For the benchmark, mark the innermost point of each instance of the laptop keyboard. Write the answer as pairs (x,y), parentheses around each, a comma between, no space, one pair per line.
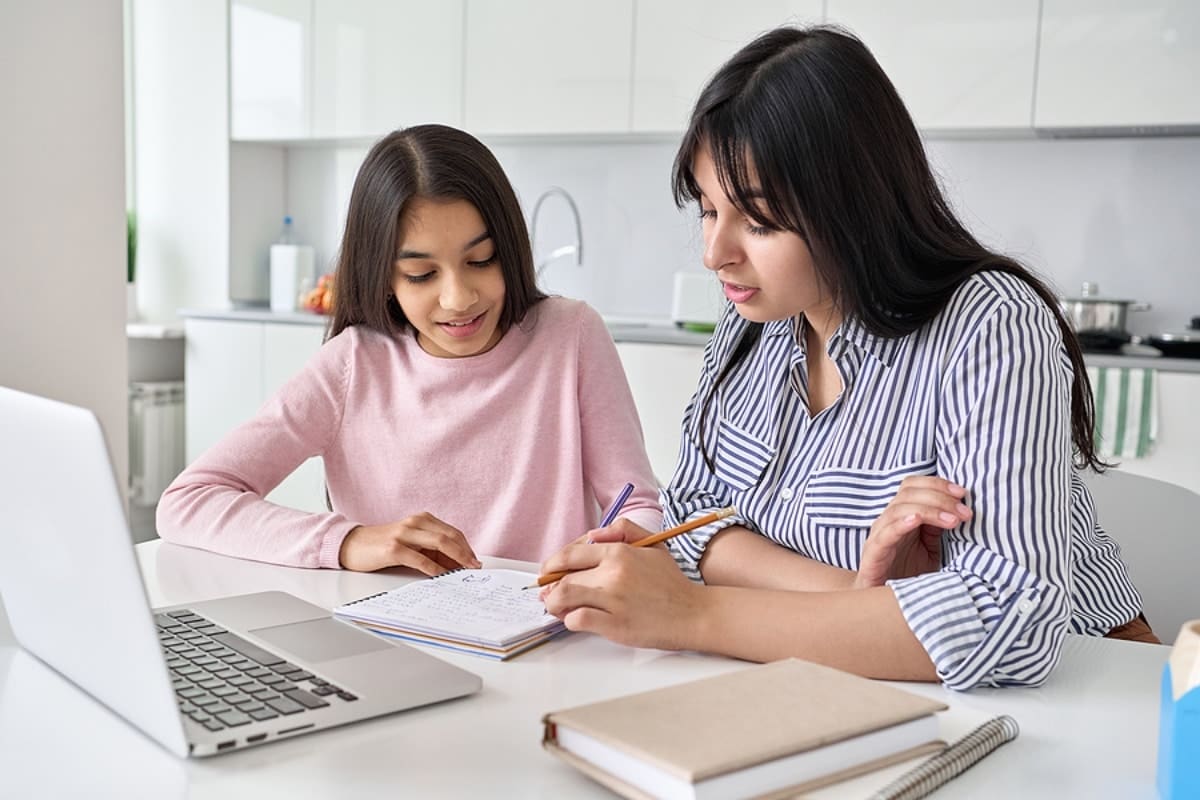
(223,681)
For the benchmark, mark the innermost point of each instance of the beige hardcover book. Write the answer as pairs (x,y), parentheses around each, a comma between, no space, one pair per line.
(768,730)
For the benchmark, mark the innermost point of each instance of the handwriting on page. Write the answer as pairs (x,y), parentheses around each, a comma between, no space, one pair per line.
(467,599)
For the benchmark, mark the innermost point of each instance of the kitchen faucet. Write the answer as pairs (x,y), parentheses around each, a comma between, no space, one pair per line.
(566,249)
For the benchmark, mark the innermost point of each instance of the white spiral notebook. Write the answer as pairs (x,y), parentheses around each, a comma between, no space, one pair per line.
(485,612)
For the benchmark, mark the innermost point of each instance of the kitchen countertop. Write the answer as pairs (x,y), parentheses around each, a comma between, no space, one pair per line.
(663,331)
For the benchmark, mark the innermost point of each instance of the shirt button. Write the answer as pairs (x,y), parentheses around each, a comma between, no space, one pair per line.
(1025,606)
(786,493)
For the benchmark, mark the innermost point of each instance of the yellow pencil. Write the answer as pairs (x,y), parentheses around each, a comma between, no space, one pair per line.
(653,539)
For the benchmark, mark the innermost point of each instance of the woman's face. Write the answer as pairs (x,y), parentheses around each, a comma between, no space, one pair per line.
(447,278)
(767,274)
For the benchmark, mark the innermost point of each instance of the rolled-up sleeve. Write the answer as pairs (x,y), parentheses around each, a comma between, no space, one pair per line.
(997,611)
(694,490)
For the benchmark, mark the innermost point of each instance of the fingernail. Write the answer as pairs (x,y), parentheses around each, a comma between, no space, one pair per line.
(911,518)
(962,510)
(946,516)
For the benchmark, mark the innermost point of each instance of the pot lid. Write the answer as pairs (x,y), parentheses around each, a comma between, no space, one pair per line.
(1090,293)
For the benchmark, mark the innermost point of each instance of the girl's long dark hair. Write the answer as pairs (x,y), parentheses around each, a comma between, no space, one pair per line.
(808,121)
(435,162)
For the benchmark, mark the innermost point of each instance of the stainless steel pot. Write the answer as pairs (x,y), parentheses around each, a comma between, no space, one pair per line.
(1093,314)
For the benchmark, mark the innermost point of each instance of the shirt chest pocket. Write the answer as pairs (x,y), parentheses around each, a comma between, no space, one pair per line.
(741,456)
(845,497)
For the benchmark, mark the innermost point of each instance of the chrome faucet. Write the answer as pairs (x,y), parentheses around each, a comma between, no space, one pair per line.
(566,249)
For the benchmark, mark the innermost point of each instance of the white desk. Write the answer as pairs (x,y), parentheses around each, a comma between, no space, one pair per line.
(1090,732)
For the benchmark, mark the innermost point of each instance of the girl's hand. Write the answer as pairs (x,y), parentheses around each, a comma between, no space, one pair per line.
(620,531)
(632,595)
(422,542)
(906,540)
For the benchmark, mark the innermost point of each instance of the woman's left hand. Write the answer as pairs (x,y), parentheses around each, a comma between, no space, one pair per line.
(632,595)
(906,540)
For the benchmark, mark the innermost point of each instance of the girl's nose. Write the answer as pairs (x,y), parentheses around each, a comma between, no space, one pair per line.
(457,294)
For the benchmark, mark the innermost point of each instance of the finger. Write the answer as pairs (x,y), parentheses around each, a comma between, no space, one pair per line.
(937,484)
(441,538)
(609,534)
(414,559)
(578,556)
(630,531)
(571,594)
(946,515)
(589,620)
(933,497)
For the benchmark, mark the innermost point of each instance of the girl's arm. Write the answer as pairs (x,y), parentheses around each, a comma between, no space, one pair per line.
(217,502)
(614,452)
(740,557)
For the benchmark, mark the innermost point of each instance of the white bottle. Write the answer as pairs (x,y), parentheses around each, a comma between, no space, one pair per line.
(291,269)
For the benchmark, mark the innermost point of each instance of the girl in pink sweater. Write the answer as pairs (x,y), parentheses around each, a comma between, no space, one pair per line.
(458,410)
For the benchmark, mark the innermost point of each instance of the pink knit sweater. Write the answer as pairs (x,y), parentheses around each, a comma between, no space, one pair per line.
(518,447)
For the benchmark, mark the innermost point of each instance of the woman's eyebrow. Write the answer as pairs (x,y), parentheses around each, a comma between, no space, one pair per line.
(417,254)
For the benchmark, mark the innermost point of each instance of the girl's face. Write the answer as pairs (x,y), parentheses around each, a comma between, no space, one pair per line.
(447,278)
(767,274)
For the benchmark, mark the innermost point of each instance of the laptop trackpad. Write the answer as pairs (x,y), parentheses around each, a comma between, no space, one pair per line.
(320,640)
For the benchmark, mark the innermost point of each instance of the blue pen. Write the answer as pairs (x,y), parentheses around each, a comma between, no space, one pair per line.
(615,508)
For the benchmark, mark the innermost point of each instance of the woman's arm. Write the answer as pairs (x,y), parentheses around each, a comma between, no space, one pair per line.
(740,557)
(636,596)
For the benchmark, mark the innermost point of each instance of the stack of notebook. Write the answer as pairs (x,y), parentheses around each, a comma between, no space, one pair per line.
(484,612)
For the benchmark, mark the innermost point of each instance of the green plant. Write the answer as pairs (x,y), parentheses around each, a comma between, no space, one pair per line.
(130,245)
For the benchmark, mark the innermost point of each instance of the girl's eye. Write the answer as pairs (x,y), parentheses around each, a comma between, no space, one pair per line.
(708,213)
(487,262)
(759,230)
(418,278)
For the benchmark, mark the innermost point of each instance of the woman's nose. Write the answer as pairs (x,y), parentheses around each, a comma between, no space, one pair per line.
(720,248)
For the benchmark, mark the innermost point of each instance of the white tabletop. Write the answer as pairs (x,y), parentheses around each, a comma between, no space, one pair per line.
(1091,731)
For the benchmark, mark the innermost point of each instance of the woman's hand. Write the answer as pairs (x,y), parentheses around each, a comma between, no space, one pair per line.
(906,540)
(422,542)
(632,595)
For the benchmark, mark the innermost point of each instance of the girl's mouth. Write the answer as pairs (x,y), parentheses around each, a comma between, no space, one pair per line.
(464,328)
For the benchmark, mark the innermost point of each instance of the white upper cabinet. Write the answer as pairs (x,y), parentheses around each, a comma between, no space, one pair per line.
(1119,63)
(270,75)
(548,66)
(958,64)
(381,65)
(679,44)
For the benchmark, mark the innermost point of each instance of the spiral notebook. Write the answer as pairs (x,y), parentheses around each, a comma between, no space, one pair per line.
(484,612)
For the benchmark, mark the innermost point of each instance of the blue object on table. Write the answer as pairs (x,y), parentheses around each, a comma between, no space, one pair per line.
(1178,742)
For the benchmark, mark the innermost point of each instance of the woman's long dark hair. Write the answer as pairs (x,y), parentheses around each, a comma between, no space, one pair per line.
(808,121)
(434,162)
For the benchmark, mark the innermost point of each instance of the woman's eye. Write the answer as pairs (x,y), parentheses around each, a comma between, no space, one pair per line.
(758,230)
(487,262)
(418,278)
(708,213)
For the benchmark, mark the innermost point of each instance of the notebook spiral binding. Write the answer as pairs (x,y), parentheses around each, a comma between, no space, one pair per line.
(364,599)
(379,594)
(951,762)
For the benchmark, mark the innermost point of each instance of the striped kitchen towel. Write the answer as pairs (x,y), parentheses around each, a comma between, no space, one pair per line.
(1126,410)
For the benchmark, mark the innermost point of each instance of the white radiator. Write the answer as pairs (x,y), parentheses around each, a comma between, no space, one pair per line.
(156,453)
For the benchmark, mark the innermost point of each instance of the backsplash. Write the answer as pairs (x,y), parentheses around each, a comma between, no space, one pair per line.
(1124,213)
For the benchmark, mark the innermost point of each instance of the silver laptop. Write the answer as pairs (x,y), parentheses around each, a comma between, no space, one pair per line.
(215,676)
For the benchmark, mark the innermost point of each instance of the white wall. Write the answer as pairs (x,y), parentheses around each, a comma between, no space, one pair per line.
(181,139)
(1121,212)
(62,208)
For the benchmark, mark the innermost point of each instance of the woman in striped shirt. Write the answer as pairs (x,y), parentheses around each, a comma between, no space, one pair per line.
(897,413)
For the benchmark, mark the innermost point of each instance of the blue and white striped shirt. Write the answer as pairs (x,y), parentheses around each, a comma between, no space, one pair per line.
(980,395)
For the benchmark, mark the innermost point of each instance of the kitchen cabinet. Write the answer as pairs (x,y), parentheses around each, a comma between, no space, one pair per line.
(232,367)
(548,66)
(958,64)
(378,66)
(1118,63)
(679,44)
(662,378)
(270,69)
